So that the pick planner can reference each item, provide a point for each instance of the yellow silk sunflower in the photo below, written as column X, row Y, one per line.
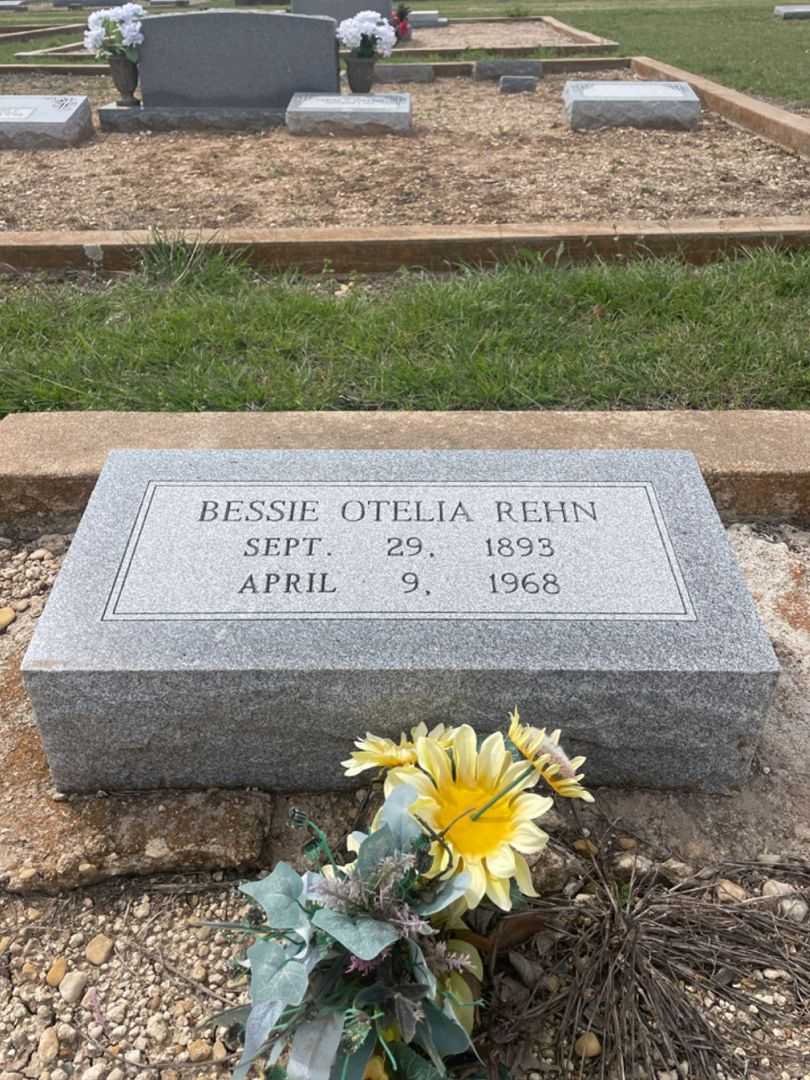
column 476, row 802
column 548, row 758
column 377, row 752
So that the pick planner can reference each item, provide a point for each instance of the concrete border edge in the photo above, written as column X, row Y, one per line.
column 756, row 462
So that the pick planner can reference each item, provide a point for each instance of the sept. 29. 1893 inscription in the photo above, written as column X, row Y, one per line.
column 399, row 550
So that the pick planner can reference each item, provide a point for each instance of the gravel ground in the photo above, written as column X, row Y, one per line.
column 475, row 156
column 114, row 980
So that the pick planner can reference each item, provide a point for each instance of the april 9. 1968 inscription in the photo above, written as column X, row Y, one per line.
column 399, row 550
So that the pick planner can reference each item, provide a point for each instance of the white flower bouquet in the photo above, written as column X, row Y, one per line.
column 367, row 35
column 115, row 32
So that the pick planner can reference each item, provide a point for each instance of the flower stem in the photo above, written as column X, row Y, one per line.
column 497, row 798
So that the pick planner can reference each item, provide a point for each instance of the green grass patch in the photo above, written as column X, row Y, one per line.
column 741, row 45
column 9, row 49
column 196, row 331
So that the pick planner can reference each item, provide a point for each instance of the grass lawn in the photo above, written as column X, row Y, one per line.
column 739, row 44
column 218, row 336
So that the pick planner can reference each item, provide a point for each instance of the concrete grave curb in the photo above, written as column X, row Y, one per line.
column 428, row 247
column 756, row 462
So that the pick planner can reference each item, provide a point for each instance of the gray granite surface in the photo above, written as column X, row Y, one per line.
column 517, row 84
column 113, row 117
column 239, row 617
column 792, row 11
column 370, row 114
column 494, row 69
column 235, row 59
column 36, row 122
column 424, row 19
column 403, row 73
column 616, row 103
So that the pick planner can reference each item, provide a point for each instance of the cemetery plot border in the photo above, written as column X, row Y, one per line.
column 756, row 463
column 433, row 246
column 385, row 249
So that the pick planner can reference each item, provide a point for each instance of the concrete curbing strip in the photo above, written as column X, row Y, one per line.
column 755, row 462
column 432, row 247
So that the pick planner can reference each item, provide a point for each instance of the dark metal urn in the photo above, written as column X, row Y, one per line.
column 125, row 76
column 360, row 72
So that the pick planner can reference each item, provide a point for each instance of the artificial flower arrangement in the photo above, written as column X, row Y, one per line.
column 367, row 35
column 115, row 32
column 400, row 22
column 361, row 970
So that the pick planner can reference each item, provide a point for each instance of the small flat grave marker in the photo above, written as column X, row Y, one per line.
column 33, row 122
column 238, row 618
column 792, row 11
column 648, row 104
column 349, row 113
column 424, row 19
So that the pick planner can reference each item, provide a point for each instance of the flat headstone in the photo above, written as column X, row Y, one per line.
column 648, row 104
column 239, row 617
column 403, row 73
column 234, row 59
column 340, row 9
column 517, row 84
column 423, row 19
column 168, row 3
column 32, row 122
column 494, row 69
column 71, row 3
column 349, row 113
column 113, row 117
column 792, row 11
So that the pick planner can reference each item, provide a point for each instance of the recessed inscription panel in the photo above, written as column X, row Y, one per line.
column 399, row 550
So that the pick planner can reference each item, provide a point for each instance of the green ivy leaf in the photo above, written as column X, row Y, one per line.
column 377, row 846
column 363, row 936
column 275, row 976
column 279, row 894
column 411, row 1065
column 352, row 1066
column 421, row 971
column 448, row 1036
column 405, row 829
column 263, row 1018
column 438, row 900
column 314, row 1047
column 229, row 1017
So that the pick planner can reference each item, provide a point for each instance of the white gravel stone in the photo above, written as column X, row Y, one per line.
column 72, row 986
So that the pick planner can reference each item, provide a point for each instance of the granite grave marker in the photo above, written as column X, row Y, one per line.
column 36, row 122
column 222, row 69
column 239, row 617
column 614, row 103
column 792, row 11
column 349, row 114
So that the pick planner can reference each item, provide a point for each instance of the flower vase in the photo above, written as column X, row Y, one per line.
column 124, row 74
column 360, row 72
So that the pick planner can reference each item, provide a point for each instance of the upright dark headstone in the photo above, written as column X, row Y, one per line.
column 220, row 69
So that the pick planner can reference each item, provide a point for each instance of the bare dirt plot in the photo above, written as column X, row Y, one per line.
column 485, row 35
column 474, row 157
